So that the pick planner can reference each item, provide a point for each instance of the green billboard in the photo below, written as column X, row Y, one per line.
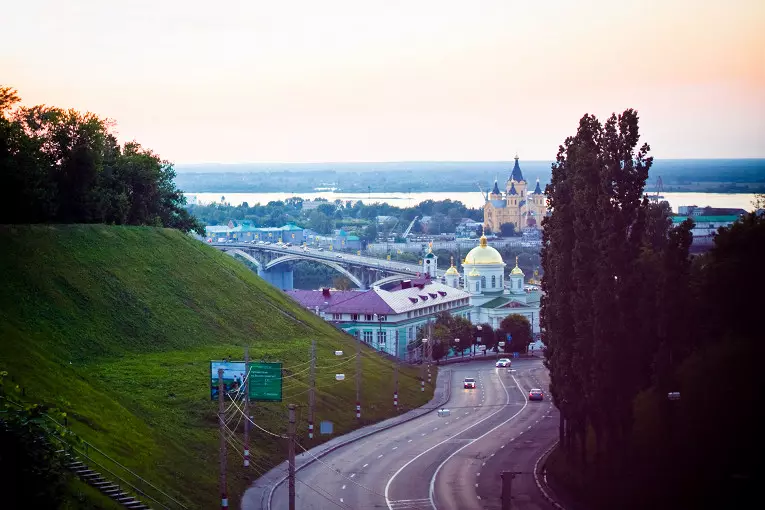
column 265, row 382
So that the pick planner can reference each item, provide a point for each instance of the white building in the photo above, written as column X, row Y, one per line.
column 492, row 296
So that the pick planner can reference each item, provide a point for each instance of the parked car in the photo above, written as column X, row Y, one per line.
column 504, row 362
column 469, row 383
column 536, row 394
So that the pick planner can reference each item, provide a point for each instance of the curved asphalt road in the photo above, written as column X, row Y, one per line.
column 443, row 463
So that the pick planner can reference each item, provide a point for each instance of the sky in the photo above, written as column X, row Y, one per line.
column 394, row 80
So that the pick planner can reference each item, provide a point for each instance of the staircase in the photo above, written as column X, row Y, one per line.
column 106, row 487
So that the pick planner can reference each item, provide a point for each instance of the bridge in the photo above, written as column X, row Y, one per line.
column 273, row 264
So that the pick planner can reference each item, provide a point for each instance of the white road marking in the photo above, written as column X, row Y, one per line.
column 380, row 456
column 395, row 447
column 353, row 474
column 409, row 441
column 365, row 465
column 341, row 500
column 433, row 479
column 343, row 487
column 478, row 474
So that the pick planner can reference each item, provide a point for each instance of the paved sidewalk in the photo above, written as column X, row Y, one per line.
column 258, row 495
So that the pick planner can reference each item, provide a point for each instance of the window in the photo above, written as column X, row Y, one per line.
column 483, row 282
column 408, row 315
column 337, row 316
column 477, row 287
column 501, row 280
column 354, row 316
column 410, row 335
column 368, row 317
column 382, row 318
column 367, row 336
column 493, row 281
column 381, row 337
column 519, row 283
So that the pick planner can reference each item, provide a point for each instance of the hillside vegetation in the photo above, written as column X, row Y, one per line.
column 116, row 326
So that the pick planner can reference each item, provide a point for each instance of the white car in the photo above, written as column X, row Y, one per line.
column 503, row 362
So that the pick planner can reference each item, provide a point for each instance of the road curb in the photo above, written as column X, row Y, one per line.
column 315, row 457
column 540, row 486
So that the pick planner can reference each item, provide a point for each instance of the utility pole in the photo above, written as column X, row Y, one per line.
column 291, row 453
column 247, row 406
column 312, row 390
column 358, row 380
column 395, row 377
column 222, row 425
column 507, row 481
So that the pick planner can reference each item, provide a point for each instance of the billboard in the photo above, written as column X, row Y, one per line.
column 233, row 377
column 265, row 380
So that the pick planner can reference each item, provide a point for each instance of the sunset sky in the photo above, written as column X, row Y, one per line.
column 392, row 80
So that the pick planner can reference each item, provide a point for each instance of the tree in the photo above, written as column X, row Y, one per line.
column 342, row 283
column 507, row 229
column 519, row 328
column 65, row 166
column 486, row 335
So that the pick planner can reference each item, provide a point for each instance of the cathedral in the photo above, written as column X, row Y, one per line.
column 492, row 295
column 516, row 205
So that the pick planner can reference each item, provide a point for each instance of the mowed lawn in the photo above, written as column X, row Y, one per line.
column 116, row 326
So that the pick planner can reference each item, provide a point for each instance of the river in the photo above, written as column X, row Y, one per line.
column 470, row 199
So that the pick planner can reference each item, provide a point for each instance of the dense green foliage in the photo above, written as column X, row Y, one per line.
column 116, row 326
column 519, row 329
column 63, row 166
column 354, row 217
column 628, row 317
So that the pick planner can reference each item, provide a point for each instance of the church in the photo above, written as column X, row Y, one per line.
column 491, row 296
column 516, row 205
column 387, row 317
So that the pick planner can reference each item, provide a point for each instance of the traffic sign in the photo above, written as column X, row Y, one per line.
column 266, row 382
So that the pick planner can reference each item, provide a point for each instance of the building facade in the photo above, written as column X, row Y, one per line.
column 516, row 205
column 388, row 317
column 246, row 232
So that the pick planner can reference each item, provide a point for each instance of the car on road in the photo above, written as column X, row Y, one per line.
column 504, row 362
column 536, row 394
column 469, row 383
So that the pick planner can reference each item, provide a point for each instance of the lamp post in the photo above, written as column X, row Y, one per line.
column 478, row 337
column 379, row 332
column 457, row 343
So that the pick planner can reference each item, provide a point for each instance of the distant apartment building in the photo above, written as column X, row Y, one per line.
column 706, row 226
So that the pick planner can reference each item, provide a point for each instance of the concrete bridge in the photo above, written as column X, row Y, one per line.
column 273, row 264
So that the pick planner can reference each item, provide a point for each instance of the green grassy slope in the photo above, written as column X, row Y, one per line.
column 116, row 326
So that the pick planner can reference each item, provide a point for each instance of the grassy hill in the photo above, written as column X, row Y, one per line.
column 116, row 326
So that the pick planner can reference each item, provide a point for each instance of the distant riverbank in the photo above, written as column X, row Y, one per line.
column 470, row 199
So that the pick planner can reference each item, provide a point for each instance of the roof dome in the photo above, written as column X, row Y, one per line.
column 452, row 271
column 474, row 273
column 483, row 254
column 517, row 270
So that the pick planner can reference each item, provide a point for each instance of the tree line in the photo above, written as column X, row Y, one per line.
column 451, row 333
column 64, row 166
column 356, row 217
column 628, row 317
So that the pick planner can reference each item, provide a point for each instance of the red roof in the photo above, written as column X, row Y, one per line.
column 342, row 301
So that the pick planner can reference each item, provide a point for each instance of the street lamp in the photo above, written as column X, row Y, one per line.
column 379, row 333
column 478, row 338
column 457, row 341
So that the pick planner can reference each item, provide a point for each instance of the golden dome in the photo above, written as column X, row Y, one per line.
column 483, row 254
column 474, row 273
column 452, row 271
column 516, row 269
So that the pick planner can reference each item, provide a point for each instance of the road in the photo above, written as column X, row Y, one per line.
column 443, row 463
